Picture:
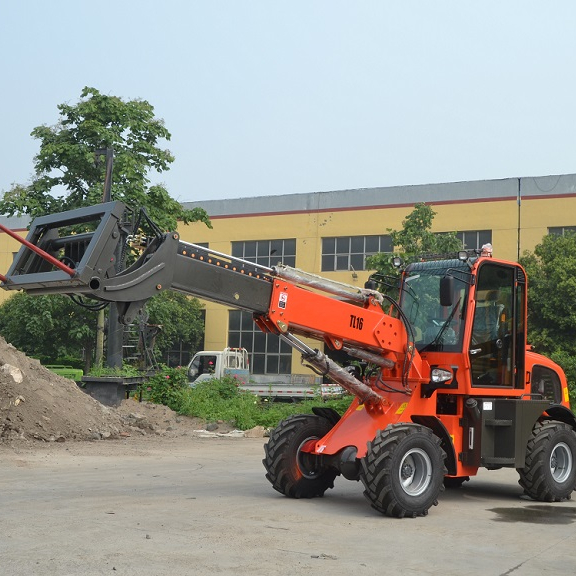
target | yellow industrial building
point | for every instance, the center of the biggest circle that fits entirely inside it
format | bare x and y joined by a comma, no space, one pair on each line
331,233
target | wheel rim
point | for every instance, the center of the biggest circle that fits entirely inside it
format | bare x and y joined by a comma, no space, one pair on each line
415,472
561,462
307,463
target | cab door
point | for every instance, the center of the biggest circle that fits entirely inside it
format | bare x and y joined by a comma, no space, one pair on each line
497,338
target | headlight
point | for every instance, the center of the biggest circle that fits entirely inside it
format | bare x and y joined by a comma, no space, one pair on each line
440,375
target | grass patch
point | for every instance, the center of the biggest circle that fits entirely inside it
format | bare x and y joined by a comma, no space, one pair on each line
221,399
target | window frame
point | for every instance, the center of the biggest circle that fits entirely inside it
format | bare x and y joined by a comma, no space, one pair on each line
266,253
561,230
269,354
349,253
461,235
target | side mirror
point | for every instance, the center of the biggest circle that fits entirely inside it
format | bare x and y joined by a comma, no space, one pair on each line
446,290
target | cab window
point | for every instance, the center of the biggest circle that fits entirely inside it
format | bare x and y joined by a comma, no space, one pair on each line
546,383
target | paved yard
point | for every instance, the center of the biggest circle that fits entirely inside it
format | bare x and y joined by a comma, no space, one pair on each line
181,506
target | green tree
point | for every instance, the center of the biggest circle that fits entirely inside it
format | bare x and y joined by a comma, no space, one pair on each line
551,271
50,328
414,239
181,321
55,329
67,175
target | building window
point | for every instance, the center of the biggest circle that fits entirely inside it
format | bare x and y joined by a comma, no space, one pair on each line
561,230
268,353
266,252
350,252
472,239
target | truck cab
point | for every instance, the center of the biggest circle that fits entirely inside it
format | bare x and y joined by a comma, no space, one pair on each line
210,364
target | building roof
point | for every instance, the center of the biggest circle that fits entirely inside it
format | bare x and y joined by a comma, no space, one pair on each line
393,196
382,197
15,222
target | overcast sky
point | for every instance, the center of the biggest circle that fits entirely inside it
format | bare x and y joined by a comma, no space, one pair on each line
273,97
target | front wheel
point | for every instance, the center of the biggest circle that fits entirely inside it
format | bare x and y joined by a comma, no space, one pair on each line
403,470
291,471
549,473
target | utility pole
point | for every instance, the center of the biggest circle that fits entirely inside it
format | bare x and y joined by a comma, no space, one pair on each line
115,330
519,202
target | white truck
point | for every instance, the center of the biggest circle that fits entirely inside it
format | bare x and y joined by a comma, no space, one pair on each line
234,362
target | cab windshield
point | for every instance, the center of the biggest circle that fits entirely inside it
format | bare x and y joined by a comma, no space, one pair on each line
436,328
201,364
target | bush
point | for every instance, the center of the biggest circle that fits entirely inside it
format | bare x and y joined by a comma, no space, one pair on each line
77,363
167,387
222,399
124,371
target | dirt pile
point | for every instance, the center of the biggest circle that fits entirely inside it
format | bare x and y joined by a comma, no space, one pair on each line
38,405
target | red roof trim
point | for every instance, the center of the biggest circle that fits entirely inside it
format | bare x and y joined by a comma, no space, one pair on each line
358,208
399,205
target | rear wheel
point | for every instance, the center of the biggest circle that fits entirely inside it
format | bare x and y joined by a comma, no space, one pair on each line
549,473
403,470
291,471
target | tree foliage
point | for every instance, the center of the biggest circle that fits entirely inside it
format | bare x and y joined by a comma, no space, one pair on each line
69,174
414,239
55,329
180,318
67,165
51,328
551,271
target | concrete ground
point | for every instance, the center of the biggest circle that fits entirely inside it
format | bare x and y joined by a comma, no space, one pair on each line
186,506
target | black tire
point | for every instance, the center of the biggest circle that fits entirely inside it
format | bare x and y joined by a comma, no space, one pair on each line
403,470
549,473
294,473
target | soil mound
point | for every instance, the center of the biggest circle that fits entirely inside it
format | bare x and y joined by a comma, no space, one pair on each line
38,405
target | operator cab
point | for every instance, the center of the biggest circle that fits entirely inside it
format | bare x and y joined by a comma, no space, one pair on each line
475,306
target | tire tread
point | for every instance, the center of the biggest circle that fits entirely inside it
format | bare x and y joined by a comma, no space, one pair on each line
377,468
535,477
280,455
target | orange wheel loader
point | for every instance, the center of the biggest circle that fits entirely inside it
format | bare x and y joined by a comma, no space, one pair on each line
443,380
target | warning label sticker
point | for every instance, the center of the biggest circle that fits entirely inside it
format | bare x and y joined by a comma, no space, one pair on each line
282,300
